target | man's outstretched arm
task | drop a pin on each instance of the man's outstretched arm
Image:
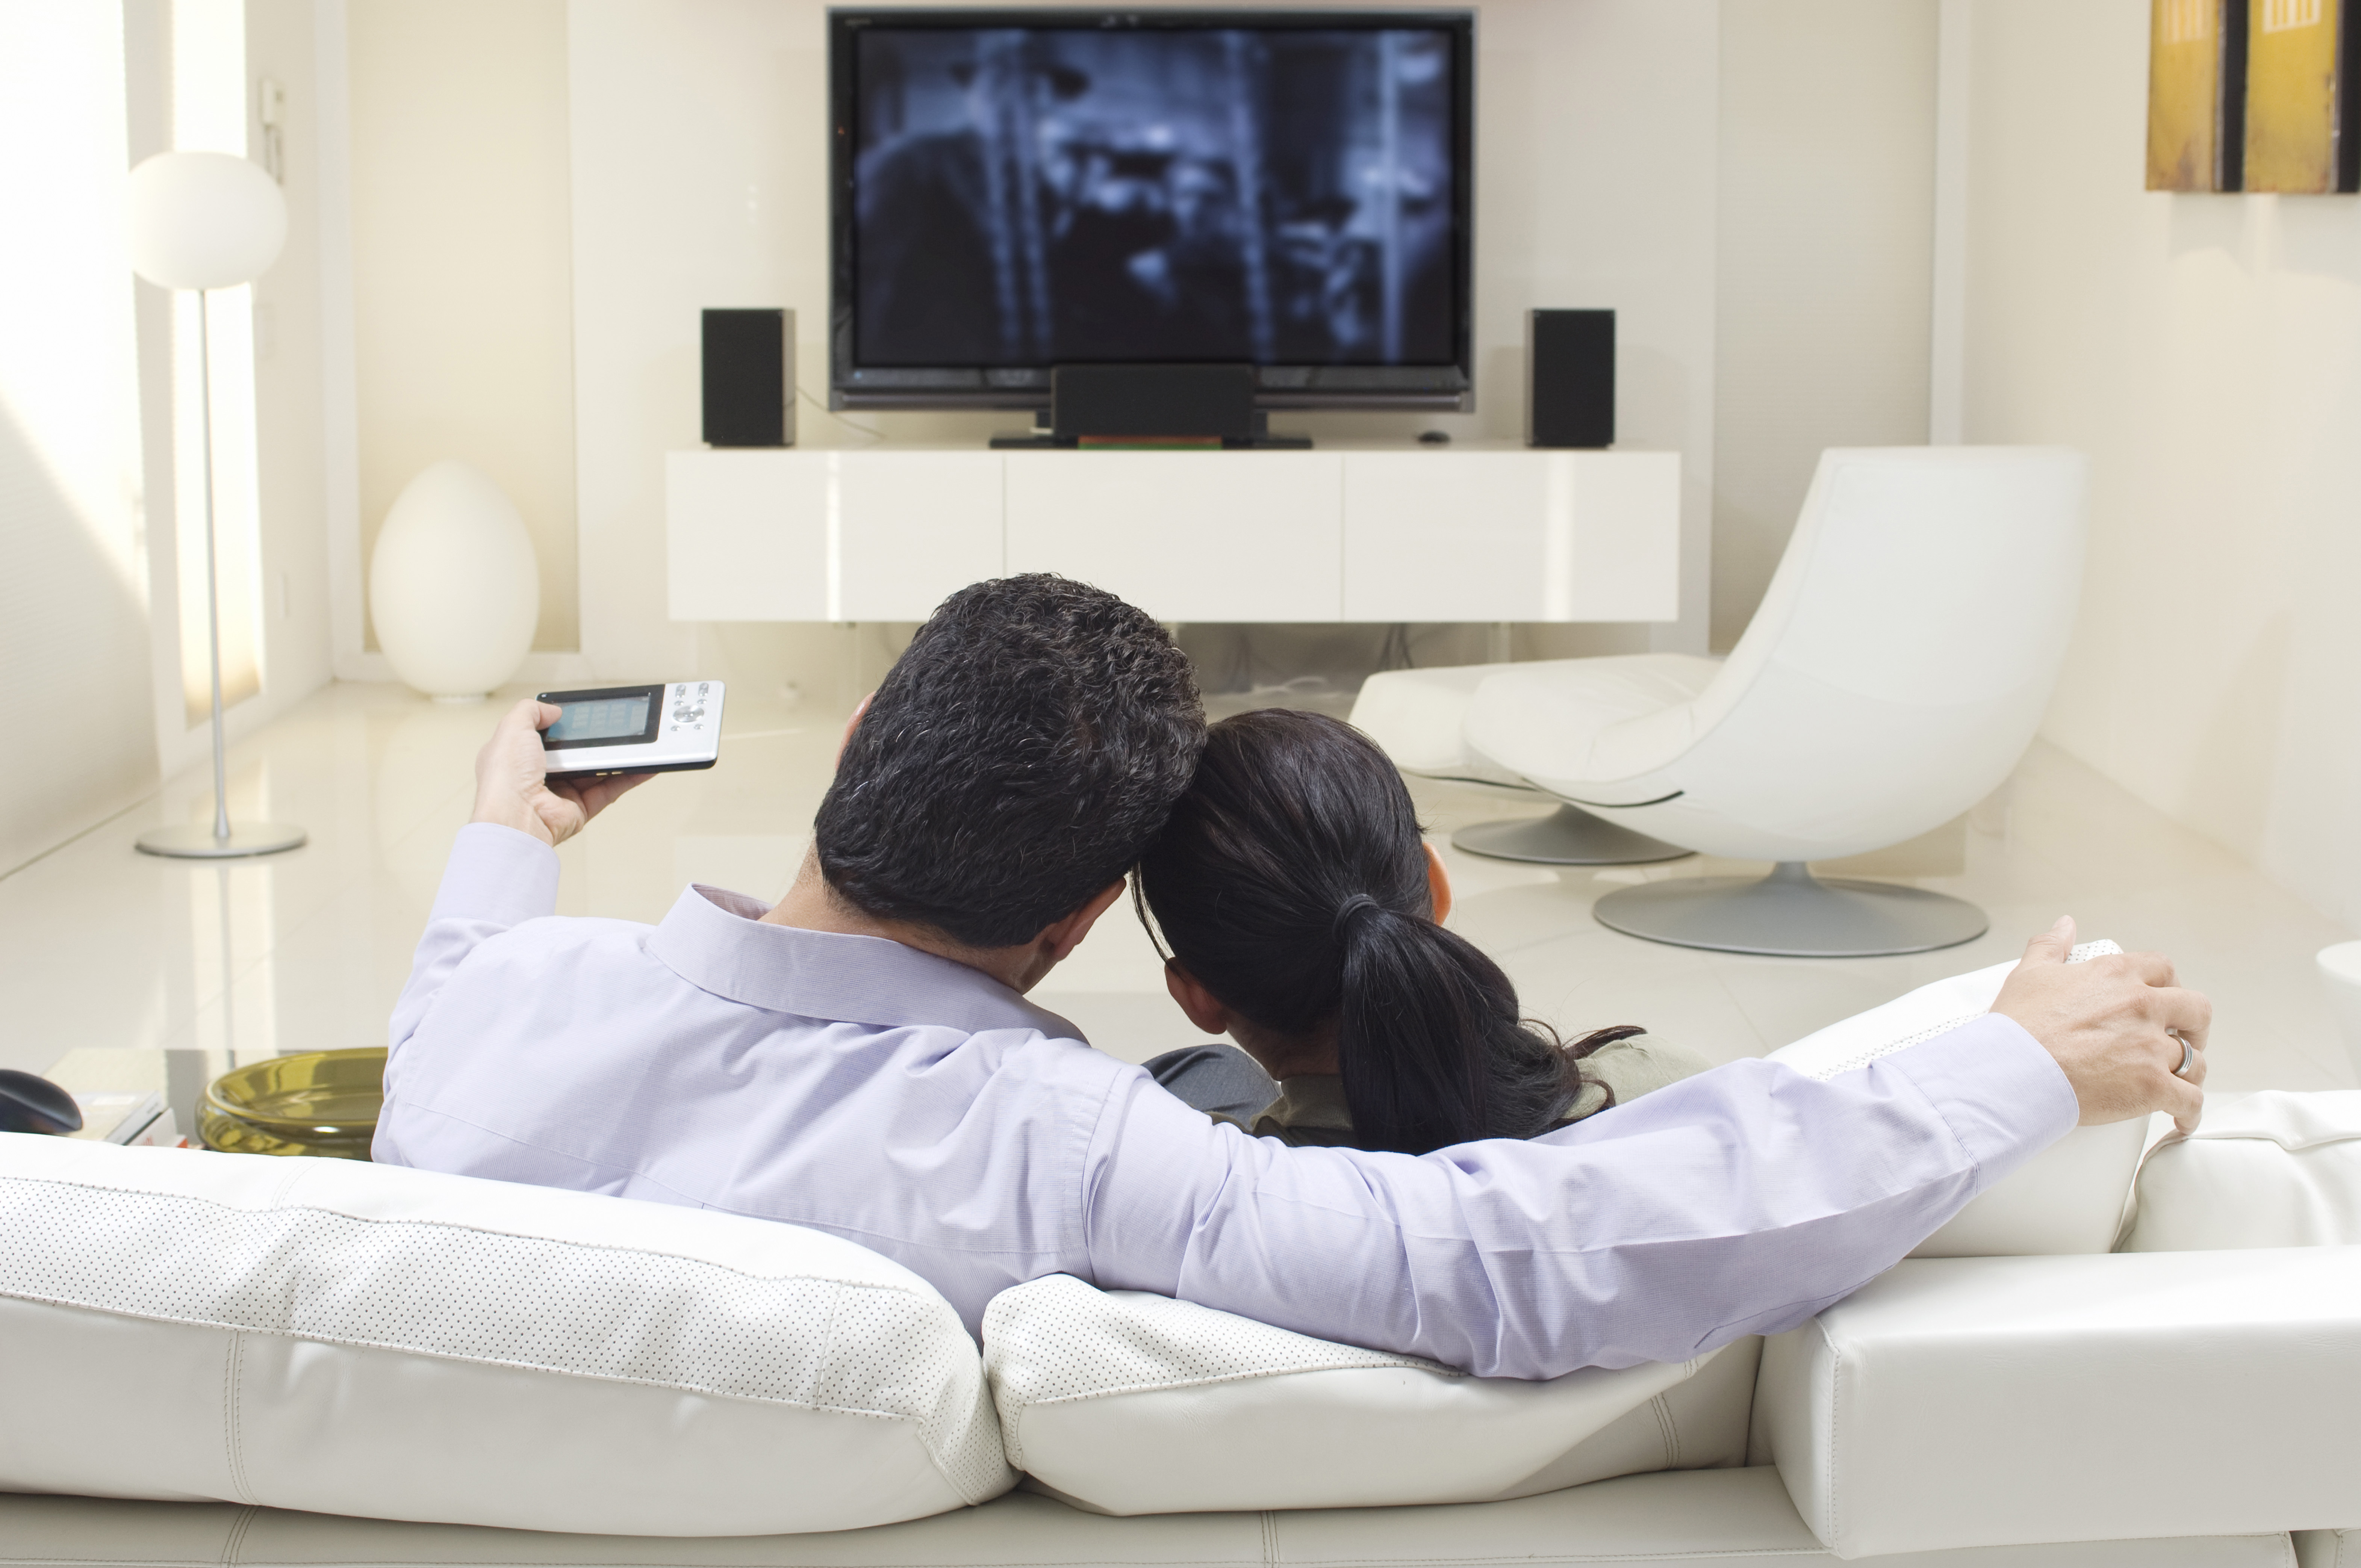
(1740, 1201)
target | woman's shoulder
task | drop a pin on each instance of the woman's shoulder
(1310, 1112)
(1622, 1071)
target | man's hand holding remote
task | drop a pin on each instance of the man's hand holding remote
(512, 785)
(2116, 1025)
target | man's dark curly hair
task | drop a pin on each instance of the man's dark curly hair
(1017, 758)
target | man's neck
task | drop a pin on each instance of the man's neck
(811, 905)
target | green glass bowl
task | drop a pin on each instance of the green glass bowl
(321, 1102)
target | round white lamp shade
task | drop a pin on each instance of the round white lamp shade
(204, 220)
(454, 586)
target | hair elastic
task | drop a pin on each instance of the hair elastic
(1350, 907)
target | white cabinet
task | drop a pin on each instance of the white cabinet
(907, 529)
(1340, 533)
(1513, 536)
(1186, 535)
(746, 537)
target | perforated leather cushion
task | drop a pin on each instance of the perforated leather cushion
(2270, 1169)
(1128, 1403)
(348, 1338)
(2069, 1198)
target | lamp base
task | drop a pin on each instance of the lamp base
(197, 841)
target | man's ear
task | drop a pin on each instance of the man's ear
(850, 724)
(1438, 885)
(1063, 937)
(1205, 1009)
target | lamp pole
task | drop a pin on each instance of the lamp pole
(202, 221)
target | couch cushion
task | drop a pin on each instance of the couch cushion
(1133, 1404)
(1729, 1518)
(358, 1339)
(1957, 1402)
(2269, 1169)
(2069, 1198)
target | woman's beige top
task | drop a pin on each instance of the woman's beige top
(1310, 1110)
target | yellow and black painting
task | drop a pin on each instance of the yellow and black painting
(2196, 88)
(2298, 97)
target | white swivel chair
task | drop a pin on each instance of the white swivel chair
(1894, 673)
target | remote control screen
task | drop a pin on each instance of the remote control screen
(603, 717)
(608, 721)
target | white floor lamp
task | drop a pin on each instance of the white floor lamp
(204, 221)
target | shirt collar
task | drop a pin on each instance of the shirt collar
(714, 939)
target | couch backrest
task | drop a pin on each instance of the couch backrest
(2069, 1198)
(2262, 1170)
(350, 1338)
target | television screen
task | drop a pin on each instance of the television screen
(1022, 189)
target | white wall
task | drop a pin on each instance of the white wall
(289, 431)
(1827, 169)
(461, 258)
(700, 178)
(2206, 352)
(74, 570)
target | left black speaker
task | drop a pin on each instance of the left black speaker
(750, 385)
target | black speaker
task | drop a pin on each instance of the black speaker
(1201, 402)
(1570, 377)
(748, 360)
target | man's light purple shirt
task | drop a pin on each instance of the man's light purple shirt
(917, 1107)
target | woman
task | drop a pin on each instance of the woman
(1303, 914)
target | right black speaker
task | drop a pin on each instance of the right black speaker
(1569, 378)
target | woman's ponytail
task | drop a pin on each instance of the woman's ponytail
(1292, 882)
(1430, 1043)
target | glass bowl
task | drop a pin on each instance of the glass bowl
(321, 1102)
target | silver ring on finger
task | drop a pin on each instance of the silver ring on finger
(2188, 1056)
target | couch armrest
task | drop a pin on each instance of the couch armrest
(1990, 1401)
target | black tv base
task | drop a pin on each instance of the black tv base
(1048, 441)
(1185, 408)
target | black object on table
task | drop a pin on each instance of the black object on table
(33, 1105)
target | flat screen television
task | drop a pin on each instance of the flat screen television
(1017, 189)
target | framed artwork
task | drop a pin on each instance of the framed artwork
(2299, 98)
(2196, 94)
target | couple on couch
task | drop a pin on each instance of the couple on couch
(859, 1057)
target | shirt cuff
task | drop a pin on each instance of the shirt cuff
(497, 875)
(1999, 1090)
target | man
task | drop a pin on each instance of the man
(859, 1056)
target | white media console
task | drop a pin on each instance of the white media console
(1344, 533)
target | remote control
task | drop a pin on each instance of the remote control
(636, 729)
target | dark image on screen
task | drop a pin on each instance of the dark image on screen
(1025, 197)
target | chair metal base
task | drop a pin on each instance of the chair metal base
(1567, 836)
(197, 841)
(1790, 913)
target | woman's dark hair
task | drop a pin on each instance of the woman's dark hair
(1292, 882)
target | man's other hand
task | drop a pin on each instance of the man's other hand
(513, 787)
(2115, 1026)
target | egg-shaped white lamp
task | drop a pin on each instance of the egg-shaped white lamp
(204, 220)
(201, 221)
(453, 587)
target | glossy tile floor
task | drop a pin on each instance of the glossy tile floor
(306, 950)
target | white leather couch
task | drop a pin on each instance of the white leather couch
(225, 1359)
